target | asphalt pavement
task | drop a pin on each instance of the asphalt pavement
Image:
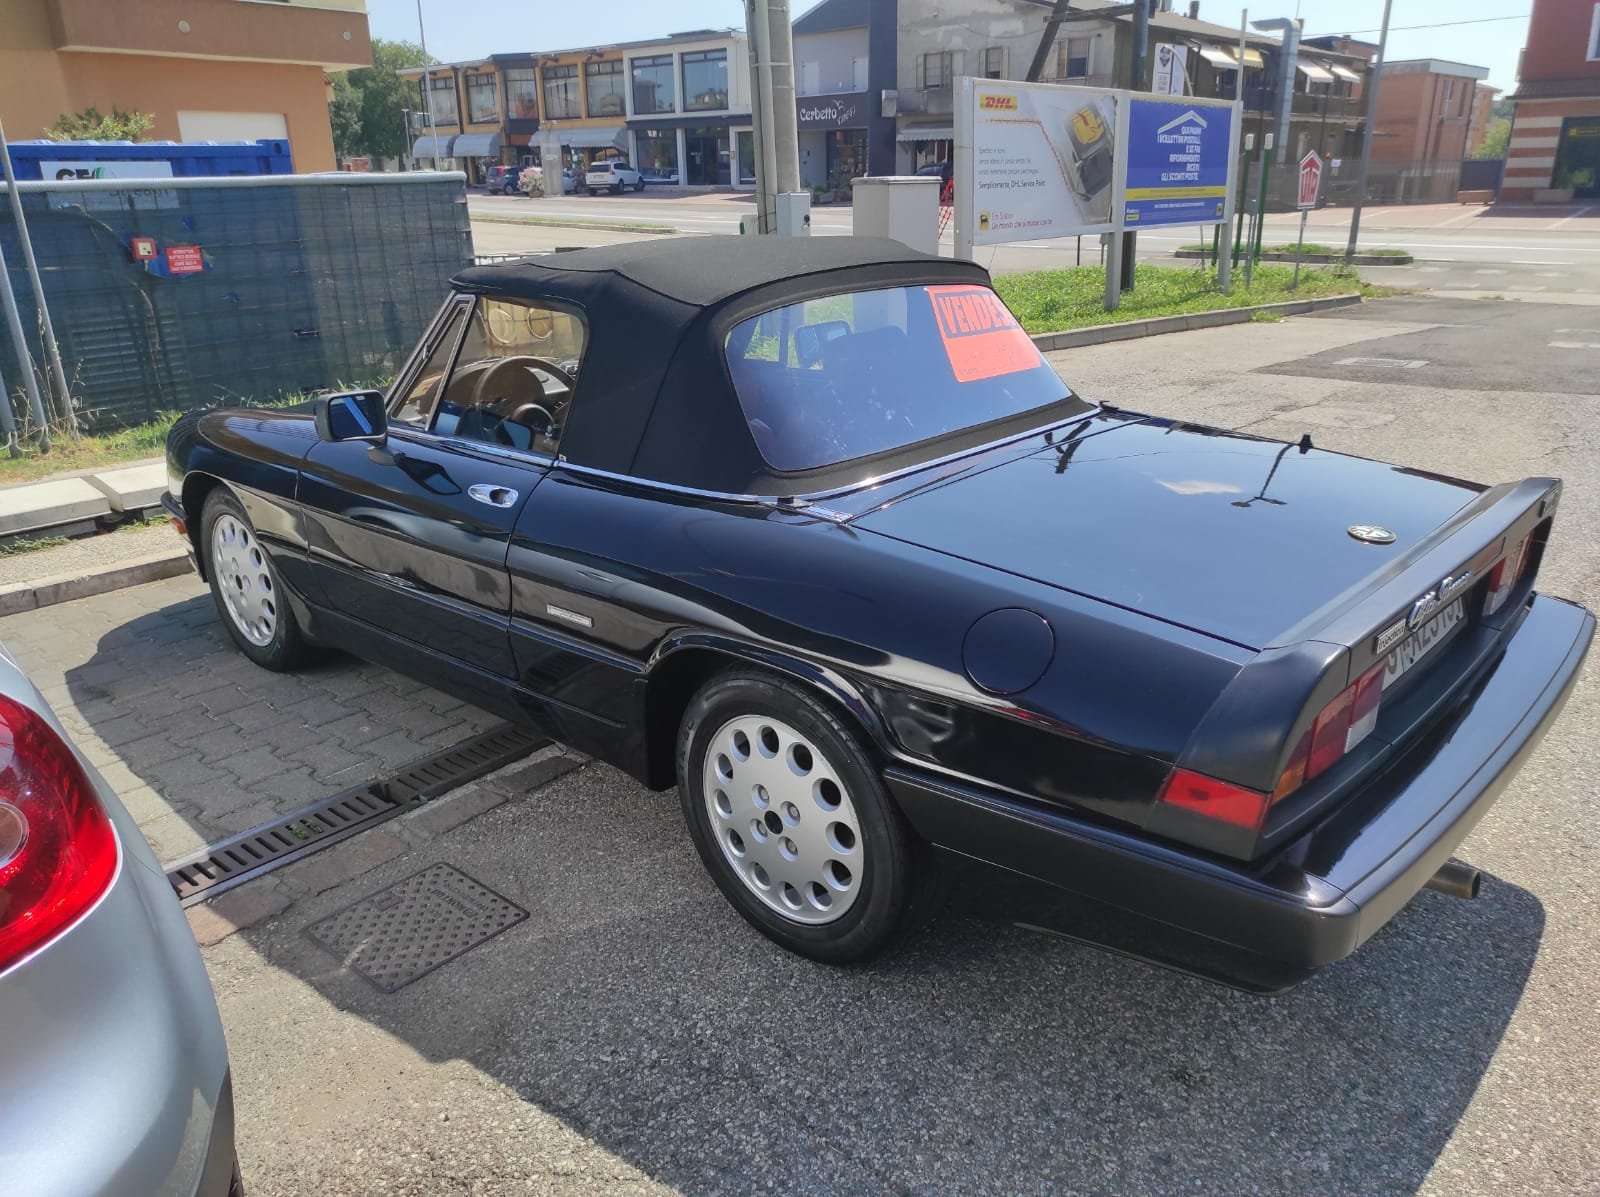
(634, 1035)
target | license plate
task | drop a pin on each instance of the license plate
(1417, 645)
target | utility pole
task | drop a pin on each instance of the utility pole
(1041, 54)
(1141, 50)
(1366, 137)
(772, 107)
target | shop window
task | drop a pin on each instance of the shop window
(652, 84)
(604, 81)
(561, 92)
(656, 152)
(522, 94)
(705, 80)
(482, 103)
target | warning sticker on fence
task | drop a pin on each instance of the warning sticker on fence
(981, 337)
(185, 259)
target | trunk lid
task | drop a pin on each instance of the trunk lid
(1223, 533)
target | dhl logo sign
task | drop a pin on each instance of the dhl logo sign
(992, 102)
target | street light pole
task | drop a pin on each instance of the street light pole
(1366, 137)
(427, 90)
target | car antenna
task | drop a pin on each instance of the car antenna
(1305, 442)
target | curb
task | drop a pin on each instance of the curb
(62, 588)
(1130, 330)
(1313, 259)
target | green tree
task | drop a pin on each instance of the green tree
(1495, 139)
(91, 125)
(368, 106)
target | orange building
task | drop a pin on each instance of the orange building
(1419, 133)
(1555, 129)
(207, 70)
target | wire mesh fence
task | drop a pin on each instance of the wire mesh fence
(227, 290)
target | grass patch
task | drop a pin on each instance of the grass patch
(18, 545)
(1313, 247)
(96, 450)
(1056, 300)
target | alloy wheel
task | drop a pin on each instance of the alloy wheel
(245, 579)
(783, 819)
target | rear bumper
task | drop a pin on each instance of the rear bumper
(1327, 892)
(175, 512)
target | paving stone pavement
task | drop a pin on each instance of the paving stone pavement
(198, 741)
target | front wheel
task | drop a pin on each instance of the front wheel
(793, 823)
(640, 185)
(246, 588)
(616, 189)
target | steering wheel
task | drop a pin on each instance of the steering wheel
(530, 408)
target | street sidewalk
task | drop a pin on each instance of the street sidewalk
(76, 496)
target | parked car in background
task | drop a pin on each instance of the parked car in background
(808, 528)
(114, 1073)
(502, 179)
(613, 175)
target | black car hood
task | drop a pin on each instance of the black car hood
(1227, 534)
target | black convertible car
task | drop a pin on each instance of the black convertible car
(808, 529)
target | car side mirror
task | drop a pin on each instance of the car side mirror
(352, 416)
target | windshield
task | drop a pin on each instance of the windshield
(854, 375)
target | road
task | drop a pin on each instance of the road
(634, 1035)
(1517, 252)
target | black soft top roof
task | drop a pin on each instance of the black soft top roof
(654, 397)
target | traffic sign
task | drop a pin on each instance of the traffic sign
(1310, 179)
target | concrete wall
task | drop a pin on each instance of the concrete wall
(834, 54)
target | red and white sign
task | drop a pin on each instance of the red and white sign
(981, 337)
(143, 249)
(1310, 179)
(185, 259)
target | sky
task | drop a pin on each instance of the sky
(459, 29)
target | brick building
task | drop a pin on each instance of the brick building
(1555, 129)
(1421, 129)
(207, 70)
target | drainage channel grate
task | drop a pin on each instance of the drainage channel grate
(221, 866)
(410, 928)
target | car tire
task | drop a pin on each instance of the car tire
(246, 587)
(640, 186)
(796, 827)
(616, 189)
(590, 190)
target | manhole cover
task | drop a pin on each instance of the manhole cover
(412, 927)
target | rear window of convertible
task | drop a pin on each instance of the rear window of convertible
(853, 375)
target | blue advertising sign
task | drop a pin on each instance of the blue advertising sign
(1177, 159)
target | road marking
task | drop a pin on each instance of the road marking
(1575, 344)
(1488, 272)
(1458, 220)
(1580, 331)
(1566, 220)
(1396, 363)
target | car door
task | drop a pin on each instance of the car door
(410, 536)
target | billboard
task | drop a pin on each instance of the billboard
(1042, 160)
(1177, 162)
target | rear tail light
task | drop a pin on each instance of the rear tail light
(1344, 723)
(1220, 800)
(1505, 575)
(58, 852)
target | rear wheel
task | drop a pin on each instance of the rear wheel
(246, 587)
(616, 189)
(792, 820)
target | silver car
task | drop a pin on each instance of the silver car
(113, 1070)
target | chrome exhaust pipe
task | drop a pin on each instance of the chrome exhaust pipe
(1456, 879)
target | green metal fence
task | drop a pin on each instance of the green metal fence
(188, 293)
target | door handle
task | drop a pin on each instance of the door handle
(495, 496)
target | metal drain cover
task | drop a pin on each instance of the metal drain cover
(415, 925)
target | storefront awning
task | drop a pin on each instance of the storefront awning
(926, 133)
(592, 139)
(433, 147)
(476, 145)
(1346, 74)
(1228, 60)
(1314, 72)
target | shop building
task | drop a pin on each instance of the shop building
(460, 126)
(834, 103)
(688, 109)
(583, 106)
(1554, 153)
